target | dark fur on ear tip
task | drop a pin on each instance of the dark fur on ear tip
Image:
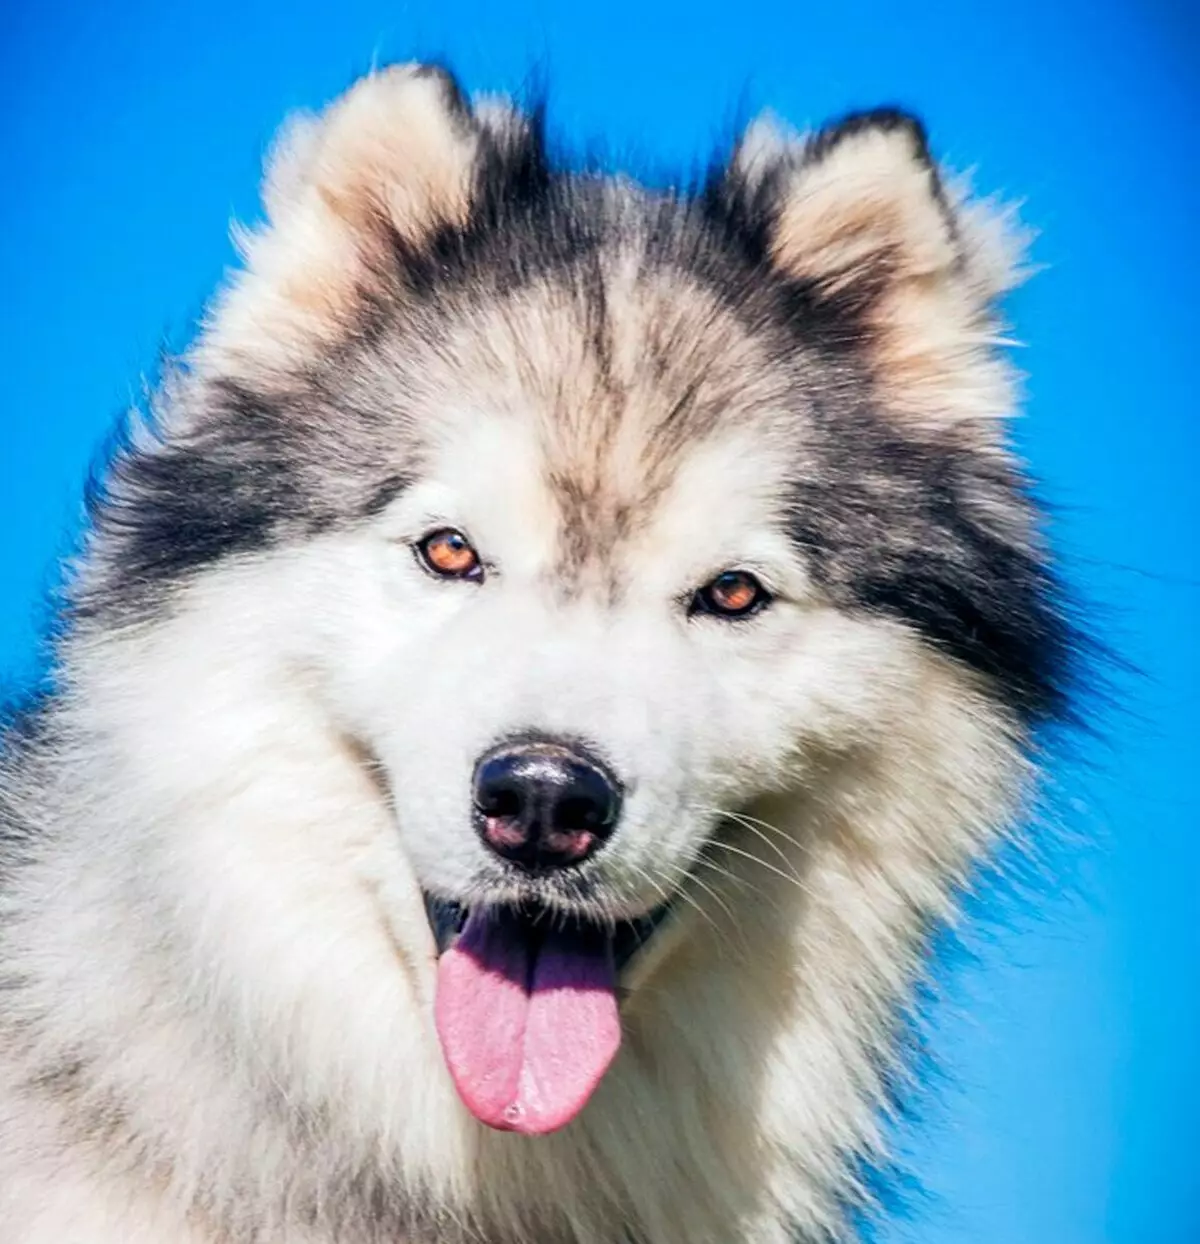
(887, 119)
(884, 120)
(453, 97)
(745, 209)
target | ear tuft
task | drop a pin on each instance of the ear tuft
(394, 158)
(862, 204)
(860, 214)
(398, 146)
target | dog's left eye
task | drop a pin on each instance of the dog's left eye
(448, 554)
(732, 594)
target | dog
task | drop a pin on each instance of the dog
(532, 686)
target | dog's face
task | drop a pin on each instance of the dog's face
(593, 558)
(603, 515)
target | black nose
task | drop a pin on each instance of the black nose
(544, 804)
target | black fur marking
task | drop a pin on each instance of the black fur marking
(186, 502)
(938, 536)
(887, 120)
(254, 470)
(513, 185)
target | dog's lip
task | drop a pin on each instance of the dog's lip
(629, 937)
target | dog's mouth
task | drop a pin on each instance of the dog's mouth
(630, 938)
(527, 1006)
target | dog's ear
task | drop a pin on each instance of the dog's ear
(390, 162)
(853, 206)
(396, 150)
(861, 217)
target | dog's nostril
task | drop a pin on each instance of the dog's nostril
(544, 805)
(501, 803)
(580, 812)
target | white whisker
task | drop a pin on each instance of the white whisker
(790, 877)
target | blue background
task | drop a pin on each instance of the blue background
(1065, 1109)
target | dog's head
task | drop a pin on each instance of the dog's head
(600, 520)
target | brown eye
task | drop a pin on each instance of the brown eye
(732, 594)
(448, 554)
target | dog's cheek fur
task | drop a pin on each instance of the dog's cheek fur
(276, 905)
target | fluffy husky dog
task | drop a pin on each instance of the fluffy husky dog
(524, 702)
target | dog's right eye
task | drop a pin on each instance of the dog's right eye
(448, 554)
(732, 594)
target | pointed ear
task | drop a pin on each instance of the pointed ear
(858, 203)
(396, 149)
(391, 160)
(862, 216)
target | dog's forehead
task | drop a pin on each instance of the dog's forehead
(613, 386)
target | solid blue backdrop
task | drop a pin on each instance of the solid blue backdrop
(1064, 1111)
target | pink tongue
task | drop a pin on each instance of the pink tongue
(527, 1029)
